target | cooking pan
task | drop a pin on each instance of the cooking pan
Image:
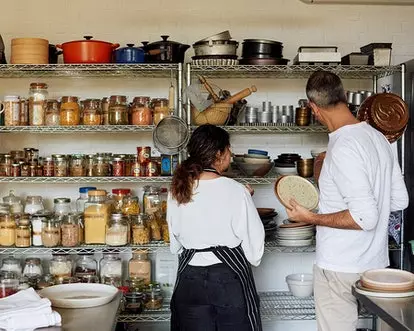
(253, 47)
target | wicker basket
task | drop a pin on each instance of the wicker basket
(216, 114)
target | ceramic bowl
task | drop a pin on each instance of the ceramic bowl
(301, 285)
(286, 170)
(256, 161)
(256, 156)
(257, 151)
(256, 170)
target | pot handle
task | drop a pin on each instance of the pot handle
(130, 45)
(115, 46)
(59, 46)
(164, 38)
(88, 37)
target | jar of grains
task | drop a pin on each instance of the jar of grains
(60, 165)
(140, 231)
(110, 266)
(11, 110)
(118, 110)
(165, 232)
(48, 167)
(32, 267)
(12, 264)
(23, 231)
(89, 160)
(70, 230)
(52, 115)
(50, 232)
(140, 266)
(101, 167)
(160, 107)
(117, 231)
(24, 112)
(96, 216)
(92, 113)
(69, 111)
(37, 103)
(77, 166)
(141, 111)
(7, 230)
(60, 267)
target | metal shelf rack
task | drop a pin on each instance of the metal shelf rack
(273, 129)
(77, 129)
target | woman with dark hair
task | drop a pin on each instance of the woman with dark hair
(217, 232)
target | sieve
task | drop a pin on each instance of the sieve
(171, 135)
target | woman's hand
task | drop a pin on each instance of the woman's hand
(298, 213)
(250, 189)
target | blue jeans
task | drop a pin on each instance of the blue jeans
(210, 299)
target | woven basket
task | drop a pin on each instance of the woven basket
(216, 114)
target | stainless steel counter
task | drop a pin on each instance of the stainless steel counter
(396, 312)
(102, 318)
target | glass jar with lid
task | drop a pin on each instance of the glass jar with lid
(32, 267)
(48, 167)
(96, 216)
(6, 165)
(118, 194)
(160, 107)
(135, 284)
(89, 161)
(77, 167)
(69, 111)
(4, 208)
(70, 230)
(110, 266)
(23, 231)
(83, 197)
(101, 166)
(140, 266)
(50, 232)
(130, 205)
(153, 297)
(118, 110)
(60, 166)
(38, 95)
(52, 114)
(34, 204)
(37, 223)
(117, 231)
(85, 266)
(165, 232)
(134, 302)
(141, 112)
(11, 110)
(151, 200)
(60, 267)
(92, 113)
(7, 230)
(45, 281)
(14, 202)
(61, 206)
(140, 230)
(11, 264)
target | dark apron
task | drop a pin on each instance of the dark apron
(235, 259)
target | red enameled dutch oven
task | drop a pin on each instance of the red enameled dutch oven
(87, 51)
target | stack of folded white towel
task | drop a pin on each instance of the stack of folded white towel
(25, 311)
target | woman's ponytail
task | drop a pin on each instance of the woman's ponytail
(183, 180)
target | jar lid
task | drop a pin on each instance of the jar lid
(60, 258)
(11, 98)
(116, 217)
(118, 159)
(96, 193)
(141, 100)
(86, 189)
(33, 197)
(69, 98)
(38, 85)
(118, 98)
(134, 295)
(61, 200)
(121, 191)
(32, 260)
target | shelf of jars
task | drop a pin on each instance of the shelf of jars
(89, 70)
(290, 71)
(275, 129)
(77, 128)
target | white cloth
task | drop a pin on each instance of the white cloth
(221, 213)
(360, 173)
(26, 310)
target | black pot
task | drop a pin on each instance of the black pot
(53, 54)
(262, 48)
(165, 51)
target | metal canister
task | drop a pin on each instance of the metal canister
(152, 169)
(136, 168)
(168, 164)
(144, 154)
(118, 167)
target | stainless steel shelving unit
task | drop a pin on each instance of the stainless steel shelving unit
(275, 129)
(77, 129)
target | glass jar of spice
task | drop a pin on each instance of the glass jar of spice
(37, 103)
(50, 232)
(92, 113)
(134, 302)
(60, 267)
(160, 107)
(97, 214)
(118, 167)
(52, 114)
(117, 231)
(118, 110)
(101, 167)
(140, 266)
(6, 165)
(153, 297)
(32, 267)
(23, 231)
(61, 206)
(85, 266)
(60, 166)
(70, 230)
(77, 166)
(7, 230)
(141, 111)
(11, 110)
(34, 204)
(140, 231)
(48, 167)
(69, 111)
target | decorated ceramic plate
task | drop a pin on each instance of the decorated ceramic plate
(298, 188)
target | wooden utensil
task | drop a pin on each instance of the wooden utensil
(242, 94)
(209, 88)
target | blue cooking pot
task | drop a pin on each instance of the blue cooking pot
(130, 54)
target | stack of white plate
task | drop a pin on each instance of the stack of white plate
(294, 235)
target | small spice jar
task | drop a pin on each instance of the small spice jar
(60, 166)
(140, 266)
(153, 297)
(110, 266)
(117, 231)
(85, 266)
(52, 114)
(135, 284)
(101, 167)
(60, 267)
(130, 205)
(12, 264)
(6, 165)
(69, 111)
(77, 167)
(50, 232)
(70, 230)
(134, 302)
(140, 231)
(23, 231)
(118, 110)
(7, 230)
(48, 167)
(118, 167)
(61, 206)
(92, 113)
(160, 107)
(141, 112)
(37, 103)
(32, 267)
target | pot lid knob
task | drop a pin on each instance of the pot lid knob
(164, 38)
(88, 37)
(145, 43)
(130, 45)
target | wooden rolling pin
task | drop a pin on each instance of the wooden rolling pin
(242, 94)
(209, 89)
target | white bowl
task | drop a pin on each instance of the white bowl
(256, 161)
(301, 285)
(286, 170)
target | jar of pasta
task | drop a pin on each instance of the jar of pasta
(23, 231)
(165, 232)
(52, 114)
(140, 231)
(69, 111)
(50, 232)
(37, 103)
(141, 111)
(130, 205)
(60, 267)
(96, 216)
(140, 266)
(118, 194)
(70, 230)
(160, 107)
(151, 201)
(117, 230)
(7, 230)
(77, 167)
(118, 110)
(92, 113)
(155, 227)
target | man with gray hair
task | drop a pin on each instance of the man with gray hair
(360, 184)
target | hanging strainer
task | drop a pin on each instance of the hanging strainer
(171, 135)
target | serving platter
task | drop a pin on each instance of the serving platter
(298, 188)
(362, 290)
(389, 280)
